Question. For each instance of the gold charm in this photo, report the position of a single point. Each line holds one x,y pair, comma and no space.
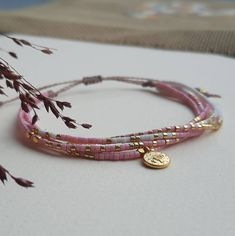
154,159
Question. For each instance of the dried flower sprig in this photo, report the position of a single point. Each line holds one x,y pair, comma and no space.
23,42
20,181
28,96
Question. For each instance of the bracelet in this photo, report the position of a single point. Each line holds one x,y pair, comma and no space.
146,145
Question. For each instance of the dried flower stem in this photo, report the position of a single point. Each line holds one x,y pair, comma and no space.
20,181
28,95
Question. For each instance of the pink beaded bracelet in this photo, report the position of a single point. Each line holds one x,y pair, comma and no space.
145,145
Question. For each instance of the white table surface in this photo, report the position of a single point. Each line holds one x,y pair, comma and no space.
194,196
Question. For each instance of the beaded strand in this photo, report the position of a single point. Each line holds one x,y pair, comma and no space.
126,147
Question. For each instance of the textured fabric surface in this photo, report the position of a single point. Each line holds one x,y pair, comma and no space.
203,26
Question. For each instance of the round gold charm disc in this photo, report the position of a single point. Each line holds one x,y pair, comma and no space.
157,160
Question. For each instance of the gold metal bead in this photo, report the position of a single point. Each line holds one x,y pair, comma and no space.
102,148
77,154
35,139
58,146
117,147
193,126
72,148
168,141
141,144
47,135
28,135
58,136
154,142
89,156
173,135
177,128
136,144
108,141
49,144
177,140
88,148
186,127
35,131
132,138
165,135
155,136
132,145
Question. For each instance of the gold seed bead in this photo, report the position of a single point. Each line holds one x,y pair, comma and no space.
102,148
155,136
28,135
132,145
58,136
108,141
47,135
59,146
49,144
198,118
165,135
117,147
132,138
199,126
35,131
89,156
136,144
186,127
35,139
154,142
177,128
173,135
77,154
73,148
168,141
88,148
141,144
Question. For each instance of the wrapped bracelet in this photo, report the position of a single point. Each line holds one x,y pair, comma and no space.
146,145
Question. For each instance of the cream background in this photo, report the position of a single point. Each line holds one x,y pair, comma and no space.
194,196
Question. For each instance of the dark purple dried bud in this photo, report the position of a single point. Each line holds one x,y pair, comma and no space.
25,42
86,126
54,111
17,41
68,119
67,104
13,54
9,84
46,104
35,119
16,85
47,51
60,105
70,125
40,97
3,176
27,87
2,93
23,182
24,107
